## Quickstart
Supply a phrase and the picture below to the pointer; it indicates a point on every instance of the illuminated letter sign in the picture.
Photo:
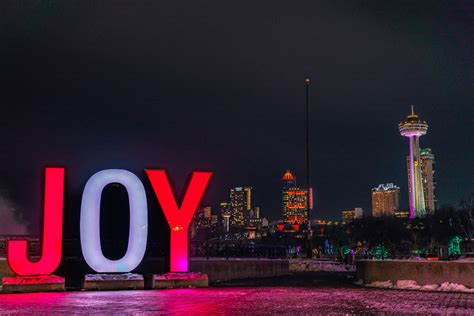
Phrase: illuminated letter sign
(178, 218)
(52, 231)
(90, 221)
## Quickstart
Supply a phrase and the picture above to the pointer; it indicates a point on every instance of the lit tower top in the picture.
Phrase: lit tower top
(288, 176)
(289, 180)
(413, 127)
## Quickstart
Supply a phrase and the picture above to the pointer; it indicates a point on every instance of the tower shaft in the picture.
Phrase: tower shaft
(417, 200)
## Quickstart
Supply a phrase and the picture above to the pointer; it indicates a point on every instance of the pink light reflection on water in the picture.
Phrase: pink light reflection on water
(191, 301)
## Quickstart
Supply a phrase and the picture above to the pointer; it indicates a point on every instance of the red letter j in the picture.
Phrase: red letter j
(52, 231)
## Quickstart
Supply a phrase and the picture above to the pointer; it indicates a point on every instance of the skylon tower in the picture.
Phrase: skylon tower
(413, 127)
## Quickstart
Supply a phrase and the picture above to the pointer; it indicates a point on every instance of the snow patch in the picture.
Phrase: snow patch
(381, 284)
(181, 276)
(413, 285)
(454, 287)
(113, 277)
(312, 265)
(407, 285)
(359, 282)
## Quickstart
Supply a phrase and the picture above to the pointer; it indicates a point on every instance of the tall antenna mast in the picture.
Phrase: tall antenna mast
(309, 248)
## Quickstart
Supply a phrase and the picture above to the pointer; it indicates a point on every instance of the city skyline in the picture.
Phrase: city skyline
(425, 156)
(385, 197)
(89, 89)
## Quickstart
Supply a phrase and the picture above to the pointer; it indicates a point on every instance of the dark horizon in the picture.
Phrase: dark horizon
(186, 86)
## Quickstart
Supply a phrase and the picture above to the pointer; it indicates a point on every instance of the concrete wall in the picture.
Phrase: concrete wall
(219, 269)
(5, 269)
(216, 268)
(423, 272)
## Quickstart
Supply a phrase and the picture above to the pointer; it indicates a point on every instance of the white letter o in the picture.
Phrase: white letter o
(90, 221)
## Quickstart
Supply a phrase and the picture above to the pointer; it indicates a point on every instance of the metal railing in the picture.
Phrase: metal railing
(33, 244)
(223, 249)
(236, 249)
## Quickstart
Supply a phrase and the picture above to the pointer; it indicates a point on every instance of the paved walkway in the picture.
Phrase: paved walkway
(266, 300)
(310, 293)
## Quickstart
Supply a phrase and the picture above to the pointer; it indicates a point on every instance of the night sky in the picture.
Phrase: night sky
(219, 85)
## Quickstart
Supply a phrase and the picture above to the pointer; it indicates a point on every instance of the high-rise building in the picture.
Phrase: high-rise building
(348, 216)
(427, 161)
(413, 128)
(214, 220)
(402, 214)
(226, 222)
(294, 200)
(254, 219)
(207, 210)
(255, 212)
(351, 215)
(427, 175)
(225, 208)
(385, 200)
(358, 213)
(202, 220)
(241, 204)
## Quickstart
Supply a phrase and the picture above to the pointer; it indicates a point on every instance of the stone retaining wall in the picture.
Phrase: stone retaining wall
(217, 269)
(5, 270)
(423, 272)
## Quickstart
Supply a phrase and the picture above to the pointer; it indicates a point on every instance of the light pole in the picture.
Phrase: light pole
(309, 244)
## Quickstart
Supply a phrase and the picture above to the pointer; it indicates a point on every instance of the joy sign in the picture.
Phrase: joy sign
(178, 218)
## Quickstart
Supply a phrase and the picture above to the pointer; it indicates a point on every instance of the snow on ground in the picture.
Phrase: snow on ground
(412, 285)
(381, 284)
(113, 277)
(312, 265)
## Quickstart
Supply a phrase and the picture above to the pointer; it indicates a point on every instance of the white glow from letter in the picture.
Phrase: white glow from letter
(90, 221)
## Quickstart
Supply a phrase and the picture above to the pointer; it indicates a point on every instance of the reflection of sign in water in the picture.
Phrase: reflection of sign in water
(178, 218)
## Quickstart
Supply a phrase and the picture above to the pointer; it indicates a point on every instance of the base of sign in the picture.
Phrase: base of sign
(110, 282)
(178, 280)
(29, 284)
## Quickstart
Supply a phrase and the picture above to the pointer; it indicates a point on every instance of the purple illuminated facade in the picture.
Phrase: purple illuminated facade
(413, 127)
